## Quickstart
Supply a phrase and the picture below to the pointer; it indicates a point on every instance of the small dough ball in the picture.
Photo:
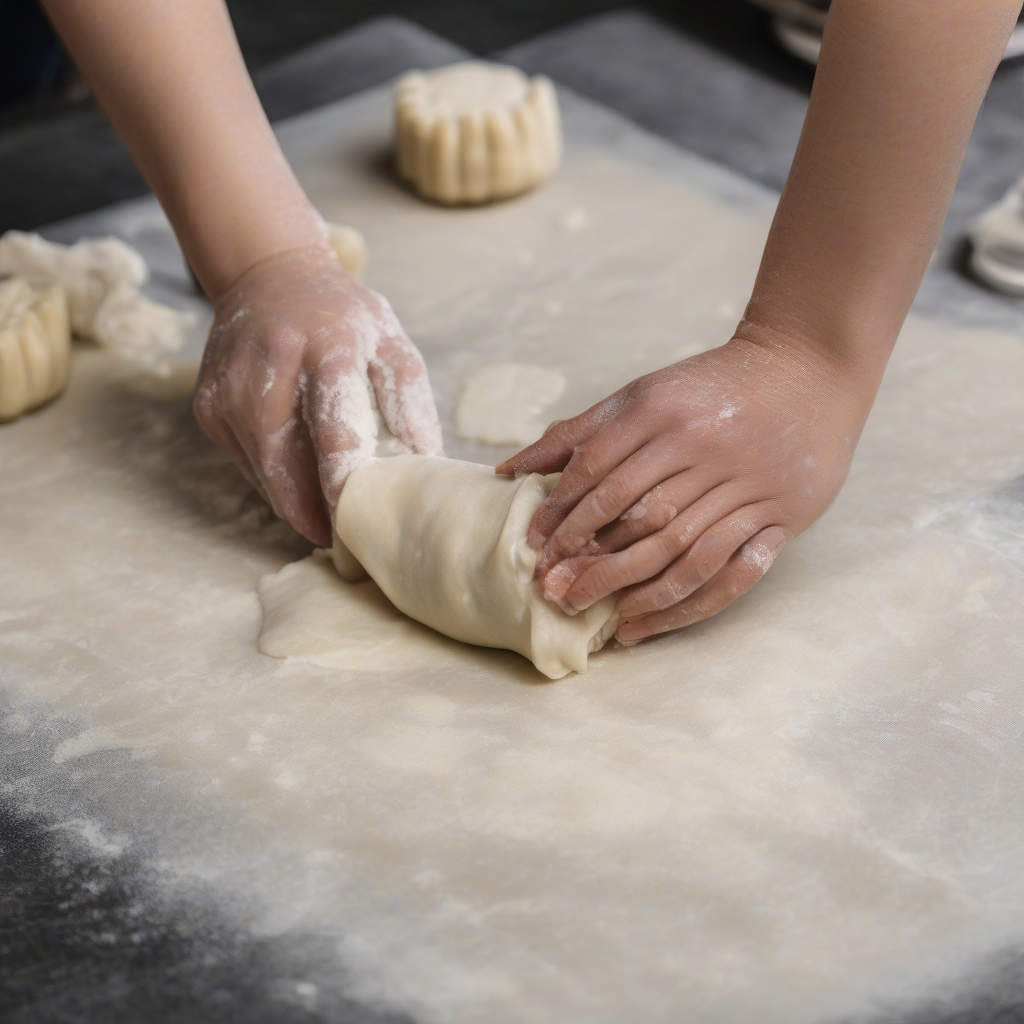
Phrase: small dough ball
(349, 246)
(35, 345)
(476, 132)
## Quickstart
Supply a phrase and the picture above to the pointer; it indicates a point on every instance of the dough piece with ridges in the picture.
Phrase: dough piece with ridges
(446, 542)
(476, 132)
(35, 345)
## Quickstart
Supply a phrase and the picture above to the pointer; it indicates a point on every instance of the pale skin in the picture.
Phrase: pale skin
(681, 488)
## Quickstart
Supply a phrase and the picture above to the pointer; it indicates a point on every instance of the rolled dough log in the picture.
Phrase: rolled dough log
(446, 542)
(475, 132)
(35, 345)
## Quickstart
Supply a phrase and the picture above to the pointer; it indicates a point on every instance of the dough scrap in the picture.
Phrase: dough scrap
(500, 404)
(35, 345)
(476, 132)
(310, 614)
(349, 246)
(102, 279)
(446, 542)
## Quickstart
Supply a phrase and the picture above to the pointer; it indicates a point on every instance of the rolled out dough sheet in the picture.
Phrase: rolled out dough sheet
(800, 811)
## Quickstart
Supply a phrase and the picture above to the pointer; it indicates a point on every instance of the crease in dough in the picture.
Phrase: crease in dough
(446, 542)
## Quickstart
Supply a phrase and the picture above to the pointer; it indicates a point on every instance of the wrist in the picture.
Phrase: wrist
(851, 368)
(813, 364)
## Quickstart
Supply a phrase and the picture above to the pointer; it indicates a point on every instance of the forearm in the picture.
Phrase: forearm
(897, 91)
(172, 80)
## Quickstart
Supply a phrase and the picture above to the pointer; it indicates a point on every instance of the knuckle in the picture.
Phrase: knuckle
(611, 496)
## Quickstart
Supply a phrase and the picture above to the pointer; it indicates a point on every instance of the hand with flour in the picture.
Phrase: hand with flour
(680, 489)
(302, 364)
(683, 486)
(301, 358)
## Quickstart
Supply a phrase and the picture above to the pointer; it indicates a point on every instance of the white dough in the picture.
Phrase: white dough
(102, 279)
(446, 541)
(475, 132)
(997, 243)
(35, 343)
(311, 614)
(500, 404)
(349, 246)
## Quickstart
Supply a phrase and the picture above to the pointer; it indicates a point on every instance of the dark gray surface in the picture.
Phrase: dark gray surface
(72, 161)
(349, 63)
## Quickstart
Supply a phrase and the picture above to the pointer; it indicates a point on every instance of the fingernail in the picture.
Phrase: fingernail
(631, 633)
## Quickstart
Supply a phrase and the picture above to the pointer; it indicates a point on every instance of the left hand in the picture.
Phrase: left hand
(681, 488)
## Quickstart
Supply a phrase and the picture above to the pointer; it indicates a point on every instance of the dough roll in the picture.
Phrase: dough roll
(446, 541)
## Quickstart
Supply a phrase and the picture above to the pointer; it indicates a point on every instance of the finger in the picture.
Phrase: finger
(589, 464)
(285, 465)
(622, 491)
(703, 560)
(342, 422)
(554, 450)
(740, 573)
(223, 437)
(651, 555)
(404, 396)
(655, 510)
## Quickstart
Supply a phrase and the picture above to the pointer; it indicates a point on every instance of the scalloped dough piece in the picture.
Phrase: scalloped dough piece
(35, 345)
(446, 542)
(476, 132)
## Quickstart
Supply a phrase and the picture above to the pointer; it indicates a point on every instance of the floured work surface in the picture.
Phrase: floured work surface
(802, 810)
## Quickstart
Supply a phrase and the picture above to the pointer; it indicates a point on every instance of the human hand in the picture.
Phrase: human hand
(302, 366)
(681, 488)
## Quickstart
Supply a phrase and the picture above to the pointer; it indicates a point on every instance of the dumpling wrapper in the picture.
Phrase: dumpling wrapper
(446, 542)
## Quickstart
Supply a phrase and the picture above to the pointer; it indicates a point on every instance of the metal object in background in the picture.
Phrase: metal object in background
(798, 26)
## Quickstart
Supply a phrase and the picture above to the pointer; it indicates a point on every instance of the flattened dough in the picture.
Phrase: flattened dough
(501, 404)
(475, 132)
(446, 541)
(35, 346)
(311, 614)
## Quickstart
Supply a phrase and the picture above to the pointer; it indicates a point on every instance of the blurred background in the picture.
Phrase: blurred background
(59, 157)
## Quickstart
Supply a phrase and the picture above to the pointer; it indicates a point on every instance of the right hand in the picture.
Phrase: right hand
(300, 359)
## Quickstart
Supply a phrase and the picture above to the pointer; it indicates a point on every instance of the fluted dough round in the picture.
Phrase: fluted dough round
(35, 345)
(476, 132)
(446, 542)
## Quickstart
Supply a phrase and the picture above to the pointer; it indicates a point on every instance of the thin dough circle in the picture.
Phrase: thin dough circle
(476, 132)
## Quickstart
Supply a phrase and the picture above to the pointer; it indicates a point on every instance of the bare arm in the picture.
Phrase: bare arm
(895, 98)
(681, 488)
(171, 79)
(300, 354)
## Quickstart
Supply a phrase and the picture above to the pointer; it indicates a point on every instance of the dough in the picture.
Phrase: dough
(997, 243)
(500, 404)
(349, 246)
(102, 279)
(476, 132)
(309, 613)
(35, 345)
(446, 541)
